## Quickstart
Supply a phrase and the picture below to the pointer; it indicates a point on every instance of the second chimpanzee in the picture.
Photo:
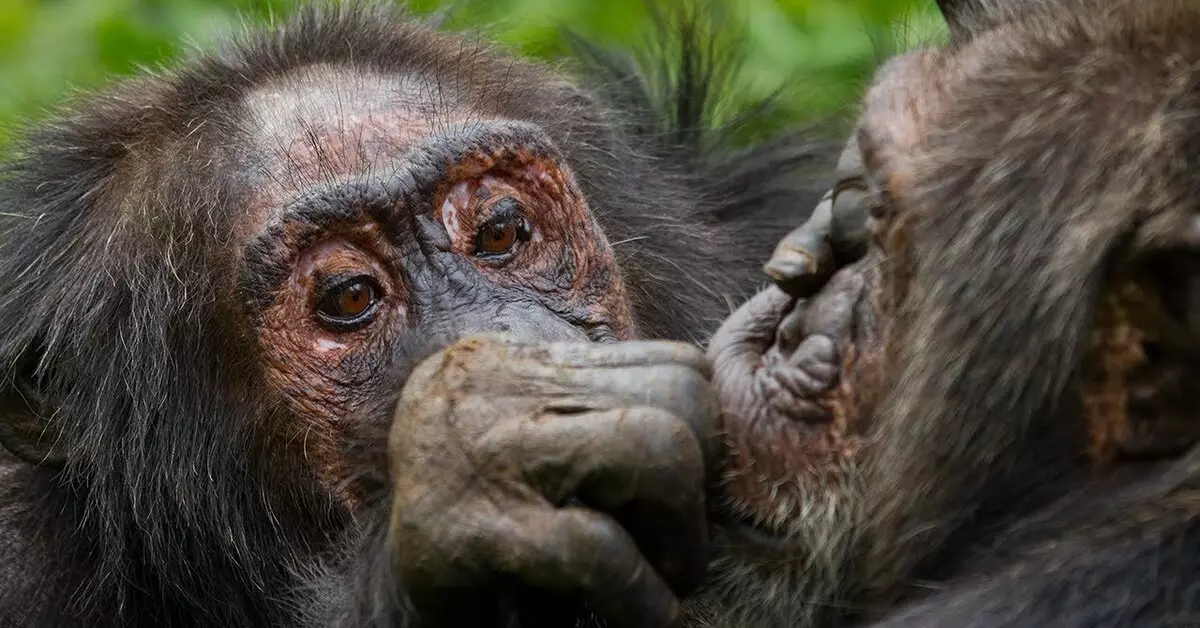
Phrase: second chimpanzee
(1012, 440)
(215, 280)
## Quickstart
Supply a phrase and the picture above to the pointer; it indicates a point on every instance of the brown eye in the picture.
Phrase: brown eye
(349, 302)
(498, 237)
(504, 231)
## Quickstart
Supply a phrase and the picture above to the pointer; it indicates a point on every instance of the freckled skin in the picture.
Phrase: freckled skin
(568, 255)
(566, 266)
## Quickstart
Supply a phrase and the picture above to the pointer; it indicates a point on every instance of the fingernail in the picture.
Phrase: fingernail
(790, 263)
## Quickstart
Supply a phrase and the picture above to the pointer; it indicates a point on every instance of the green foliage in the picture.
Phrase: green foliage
(818, 52)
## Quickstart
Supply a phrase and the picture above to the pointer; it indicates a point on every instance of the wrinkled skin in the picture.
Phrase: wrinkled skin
(335, 225)
(789, 364)
(359, 323)
(798, 369)
(583, 473)
(543, 452)
(1003, 285)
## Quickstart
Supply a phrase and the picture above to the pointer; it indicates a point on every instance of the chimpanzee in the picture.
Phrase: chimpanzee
(354, 323)
(1010, 436)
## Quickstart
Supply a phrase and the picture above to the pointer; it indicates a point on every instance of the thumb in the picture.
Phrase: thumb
(747, 334)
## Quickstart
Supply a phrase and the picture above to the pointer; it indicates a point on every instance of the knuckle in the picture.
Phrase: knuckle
(492, 453)
(686, 393)
(673, 352)
(666, 437)
(594, 545)
(817, 349)
(630, 354)
(671, 382)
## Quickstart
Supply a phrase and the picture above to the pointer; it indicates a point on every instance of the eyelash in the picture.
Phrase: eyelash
(330, 290)
(506, 210)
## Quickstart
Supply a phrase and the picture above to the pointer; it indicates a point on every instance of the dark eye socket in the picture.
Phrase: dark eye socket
(506, 229)
(349, 303)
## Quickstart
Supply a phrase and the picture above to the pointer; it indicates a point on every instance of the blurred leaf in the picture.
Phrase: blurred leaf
(816, 53)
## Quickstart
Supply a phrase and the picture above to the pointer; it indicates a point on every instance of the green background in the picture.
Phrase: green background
(820, 52)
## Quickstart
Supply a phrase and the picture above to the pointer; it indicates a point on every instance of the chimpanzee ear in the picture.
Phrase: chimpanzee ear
(26, 429)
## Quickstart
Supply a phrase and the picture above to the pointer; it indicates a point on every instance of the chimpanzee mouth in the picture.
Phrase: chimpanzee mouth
(795, 456)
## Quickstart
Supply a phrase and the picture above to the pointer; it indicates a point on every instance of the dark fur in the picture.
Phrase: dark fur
(1050, 161)
(115, 231)
(1003, 349)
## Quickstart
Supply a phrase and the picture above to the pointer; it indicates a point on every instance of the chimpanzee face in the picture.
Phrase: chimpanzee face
(379, 210)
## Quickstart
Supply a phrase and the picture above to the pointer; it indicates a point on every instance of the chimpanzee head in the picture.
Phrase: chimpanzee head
(1015, 314)
(213, 278)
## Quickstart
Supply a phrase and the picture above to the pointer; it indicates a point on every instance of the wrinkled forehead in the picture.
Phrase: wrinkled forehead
(324, 121)
(323, 125)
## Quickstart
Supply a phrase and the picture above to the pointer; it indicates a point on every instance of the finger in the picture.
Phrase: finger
(573, 378)
(739, 344)
(682, 393)
(583, 552)
(832, 312)
(626, 354)
(673, 374)
(811, 369)
(771, 388)
(848, 232)
(803, 259)
(636, 461)
(816, 358)
(794, 386)
(801, 410)
(515, 350)
(791, 330)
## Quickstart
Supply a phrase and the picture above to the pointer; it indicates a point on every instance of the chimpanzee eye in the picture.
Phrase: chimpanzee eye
(504, 231)
(350, 302)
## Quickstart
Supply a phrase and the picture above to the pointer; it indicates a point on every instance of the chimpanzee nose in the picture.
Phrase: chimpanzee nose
(452, 299)
(521, 319)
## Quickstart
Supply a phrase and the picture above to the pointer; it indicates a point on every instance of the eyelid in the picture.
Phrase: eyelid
(325, 290)
(505, 206)
(328, 283)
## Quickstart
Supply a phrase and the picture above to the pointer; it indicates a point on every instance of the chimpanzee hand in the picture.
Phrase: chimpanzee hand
(775, 356)
(836, 234)
(777, 362)
(572, 469)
